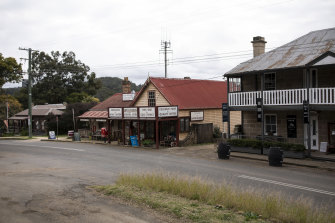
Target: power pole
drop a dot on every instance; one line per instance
(165, 45)
(29, 92)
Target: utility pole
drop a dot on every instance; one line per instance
(165, 45)
(29, 92)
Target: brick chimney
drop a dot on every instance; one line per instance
(258, 44)
(126, 86)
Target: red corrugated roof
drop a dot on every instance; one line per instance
(95, 114)
(191, 94)
(113, 101)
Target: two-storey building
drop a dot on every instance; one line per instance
(288, 93)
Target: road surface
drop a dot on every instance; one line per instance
(46, 181)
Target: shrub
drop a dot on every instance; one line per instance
(148, 142)
(257, 144)
(217, 133)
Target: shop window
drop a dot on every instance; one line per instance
(185, 124)
(270, 125)
(151, 99)
(270, 81)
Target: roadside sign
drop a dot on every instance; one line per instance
(259, 102)
(306, 111)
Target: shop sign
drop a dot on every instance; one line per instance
(147, 112)
(224, 112)
(100, 120)
(115, 113)
(197, 115)
(171, 111)
(130, 112)
(259, 102)
(128, 97)
(84, 120)
(306, 111)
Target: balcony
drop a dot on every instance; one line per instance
(317, 96)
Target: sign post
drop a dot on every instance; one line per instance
(259, 109)
(306, 111)
(224, 112)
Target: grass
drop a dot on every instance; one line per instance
(200, 201)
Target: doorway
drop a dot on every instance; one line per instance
(314, 132)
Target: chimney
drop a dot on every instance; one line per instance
(258, 44)
(126, 86)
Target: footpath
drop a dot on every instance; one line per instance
(208, 151)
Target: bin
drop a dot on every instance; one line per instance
(224, 151)
(76, 136)
(275, 156)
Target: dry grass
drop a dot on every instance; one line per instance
(251, 203)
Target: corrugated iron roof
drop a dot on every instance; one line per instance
(94, 114)
(191, 93)
(113, 101)
(297, 53)
(46, 106)
(40, 112)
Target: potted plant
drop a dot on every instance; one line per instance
(148, 142)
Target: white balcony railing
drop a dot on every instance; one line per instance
(284, 97)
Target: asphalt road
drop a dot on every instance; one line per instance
(46, 181)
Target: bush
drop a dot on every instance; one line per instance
(24, 132)
(257, 144)
(217, 133)
(148, 142)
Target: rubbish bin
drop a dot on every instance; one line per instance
(275, 156)
(224, 151)
(76, 136)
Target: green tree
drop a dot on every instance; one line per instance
(80, 97)
(10, 70)
(58, 75)
(14, 107)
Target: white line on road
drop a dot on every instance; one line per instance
(288, 185)
(52, 147)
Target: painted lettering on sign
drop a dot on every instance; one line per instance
(147, 112)
(115, 113)
(197, 116)
(167, 111)
(130, 112)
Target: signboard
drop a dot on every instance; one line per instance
(323, 147)
(259, 102)
(306, 111)
(171, 111)
(100, 120)
(133, 140)
(130, 113)
(197, 115)
(128, 97)
(224, 112)
(115, 113)
(52, 135)
(147, 112)
(291, 126)
(84, 120)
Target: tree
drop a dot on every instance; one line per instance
(10, 70)
(58, 75)
(14, 107)
(80, 97)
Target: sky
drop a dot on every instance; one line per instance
(122, 38)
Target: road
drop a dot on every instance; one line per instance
(46, 181)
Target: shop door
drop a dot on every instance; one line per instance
(314, 132)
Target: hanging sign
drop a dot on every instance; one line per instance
(259, 102)
(130, 113)
(147, 112)
(197, 115)
(306, 111)
(115, 113)
(224, 112)
(84, 120)
(171, 111)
